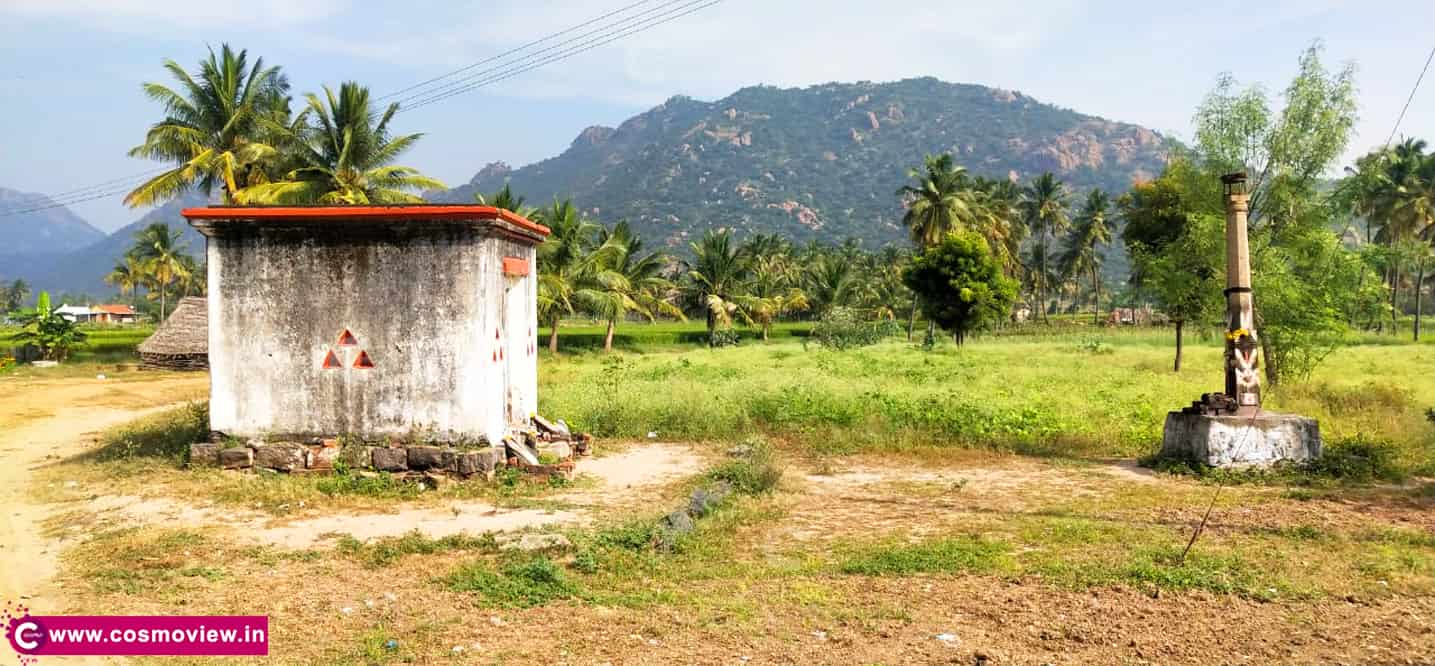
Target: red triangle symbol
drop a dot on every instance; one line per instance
(347, 339)
(363, 362)
(500, 353)
(331, 361)
(495, 334)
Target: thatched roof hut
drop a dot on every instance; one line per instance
(182, 341)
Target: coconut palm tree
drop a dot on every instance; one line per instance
(162, 253)
(713, 279)
(346, 153)
(1089, 234)
(998, 219)
(128, 275)
(625, 280)
(504, 199)
(939, 202)
(1043, 208)
(831, 281)
(565, 261)
(771, 291)
(211, 127)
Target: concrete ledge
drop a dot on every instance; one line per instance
(1240, 441)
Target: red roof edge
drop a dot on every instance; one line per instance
(459, 212)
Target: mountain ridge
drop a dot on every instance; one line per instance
(821, 162)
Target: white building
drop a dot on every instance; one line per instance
(371, 321)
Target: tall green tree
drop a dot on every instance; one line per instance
(346, 155)
(16, 294)
(1044, 210)
(1287, 153)
(939, 201)
(962, 287)
(1090, 232)
(129, 274)
(714, 279)
(162, 252)
(212, 126)
(565, 262)
(625, 280)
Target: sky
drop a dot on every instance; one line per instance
(71, 104)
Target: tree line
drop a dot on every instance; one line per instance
(230, 125)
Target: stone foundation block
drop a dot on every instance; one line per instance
(1240, 441)
(432, 457)
(323, 457)
(357, 457)
(390, 459)
(238, 457)
(481, 461)
(204, 454)
(282, 456)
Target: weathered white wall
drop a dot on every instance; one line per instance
(424, 299)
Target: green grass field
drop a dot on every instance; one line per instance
(1100, 393)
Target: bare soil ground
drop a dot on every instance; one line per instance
(769, 591)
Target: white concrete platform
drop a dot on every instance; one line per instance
(1240, 441)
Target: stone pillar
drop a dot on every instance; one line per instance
(1243, 382)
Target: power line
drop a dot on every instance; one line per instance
(625, 22)
(1409, 99)
(43, 201)
(515, 50)
(623, 27)
(692, 7)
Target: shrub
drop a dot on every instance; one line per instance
(724, 337)
(755, 472)
(517, 584)
(845, 328)
(165, 435)
(1359, 459)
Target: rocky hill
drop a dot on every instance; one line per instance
(82, 271)
(52, 230)
(818, 162)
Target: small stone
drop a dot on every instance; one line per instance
(431, 457)
(323, 457)
(204, 454)
(236, 457)
(281, 456)
(357, 456)
(559, 449)
(346, 610)
(388, 459)
(949, 639)
(495, 621)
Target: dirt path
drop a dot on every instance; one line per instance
(45, 421)
(74, 410)
(621, 479)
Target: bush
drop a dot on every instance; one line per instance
(754, 472)
(845, 328)
(724, 337)
(517, 584)
(166, 435)
(1359, 459)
